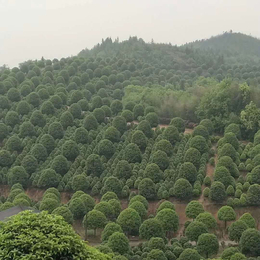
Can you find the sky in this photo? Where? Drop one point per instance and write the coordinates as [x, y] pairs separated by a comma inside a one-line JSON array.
[[30, 29]]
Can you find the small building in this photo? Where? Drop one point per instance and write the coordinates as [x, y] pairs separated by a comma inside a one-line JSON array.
[[14, 211]]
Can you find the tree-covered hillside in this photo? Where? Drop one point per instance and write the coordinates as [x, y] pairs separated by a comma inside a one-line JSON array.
[[88, 126], [231, 44]]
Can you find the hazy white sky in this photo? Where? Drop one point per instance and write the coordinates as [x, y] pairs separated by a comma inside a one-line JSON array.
[[30, 29]]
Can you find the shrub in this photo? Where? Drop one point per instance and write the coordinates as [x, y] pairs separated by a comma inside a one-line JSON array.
[[217, 191], [178, 123], [64, 212], [70, 150], [130, 221], [60, 165], [188, 171], [151, 228], [133, 153], [182, 189], [118, 242], [139, 139], [48, 178], [109, 230], [161, 159], [80, 182], [18, 175], [147, 189], [171, 134]]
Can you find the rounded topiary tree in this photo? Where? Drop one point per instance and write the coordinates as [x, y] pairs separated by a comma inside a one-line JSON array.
[[227, 162], [90, 122], [207, 245], [151, 228], [11, 118], [145, 127], [222, 175], [48, 178], [29, 163], [217, 191], [133, 153], [116, 107], [23, 108], [199, 142], [253, 195], [171, 134], [106, 208], [60, 164], [195, 229], [208, 124], [207, 219], [161, 159], [130, 221], [106, 148], [178, 123], [38, 119], [228, 150], [248, 219], [169, 220], [70, 150], [165, 205], [152, 118], [81, 136], [77, 208], [156, 254], [56, 130], [3, 131], [47, 108], [48, 142], [94, 165], [118, 242], [119, 123], [139, 198], [110, 229], [192, 155], [226, 213], [138, 111], [112, 184], [189, 254], [235, 129], [99, 114], [93, 220], [153, 172], [139, 207], [182, 189], [236, 230], [139, 139], [250, 241], [193, 209], [112, 134], [14, 143], [80, 182], [188, 171], [147, 189], [5, 158], [64, 212], [66, 119], [18, 175], [201, 131], [123, 170]]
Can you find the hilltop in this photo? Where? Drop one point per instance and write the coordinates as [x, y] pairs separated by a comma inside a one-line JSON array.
[[231, 44]]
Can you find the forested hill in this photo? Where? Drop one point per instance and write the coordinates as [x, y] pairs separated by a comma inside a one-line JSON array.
[[230, 43], [153, 54]]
